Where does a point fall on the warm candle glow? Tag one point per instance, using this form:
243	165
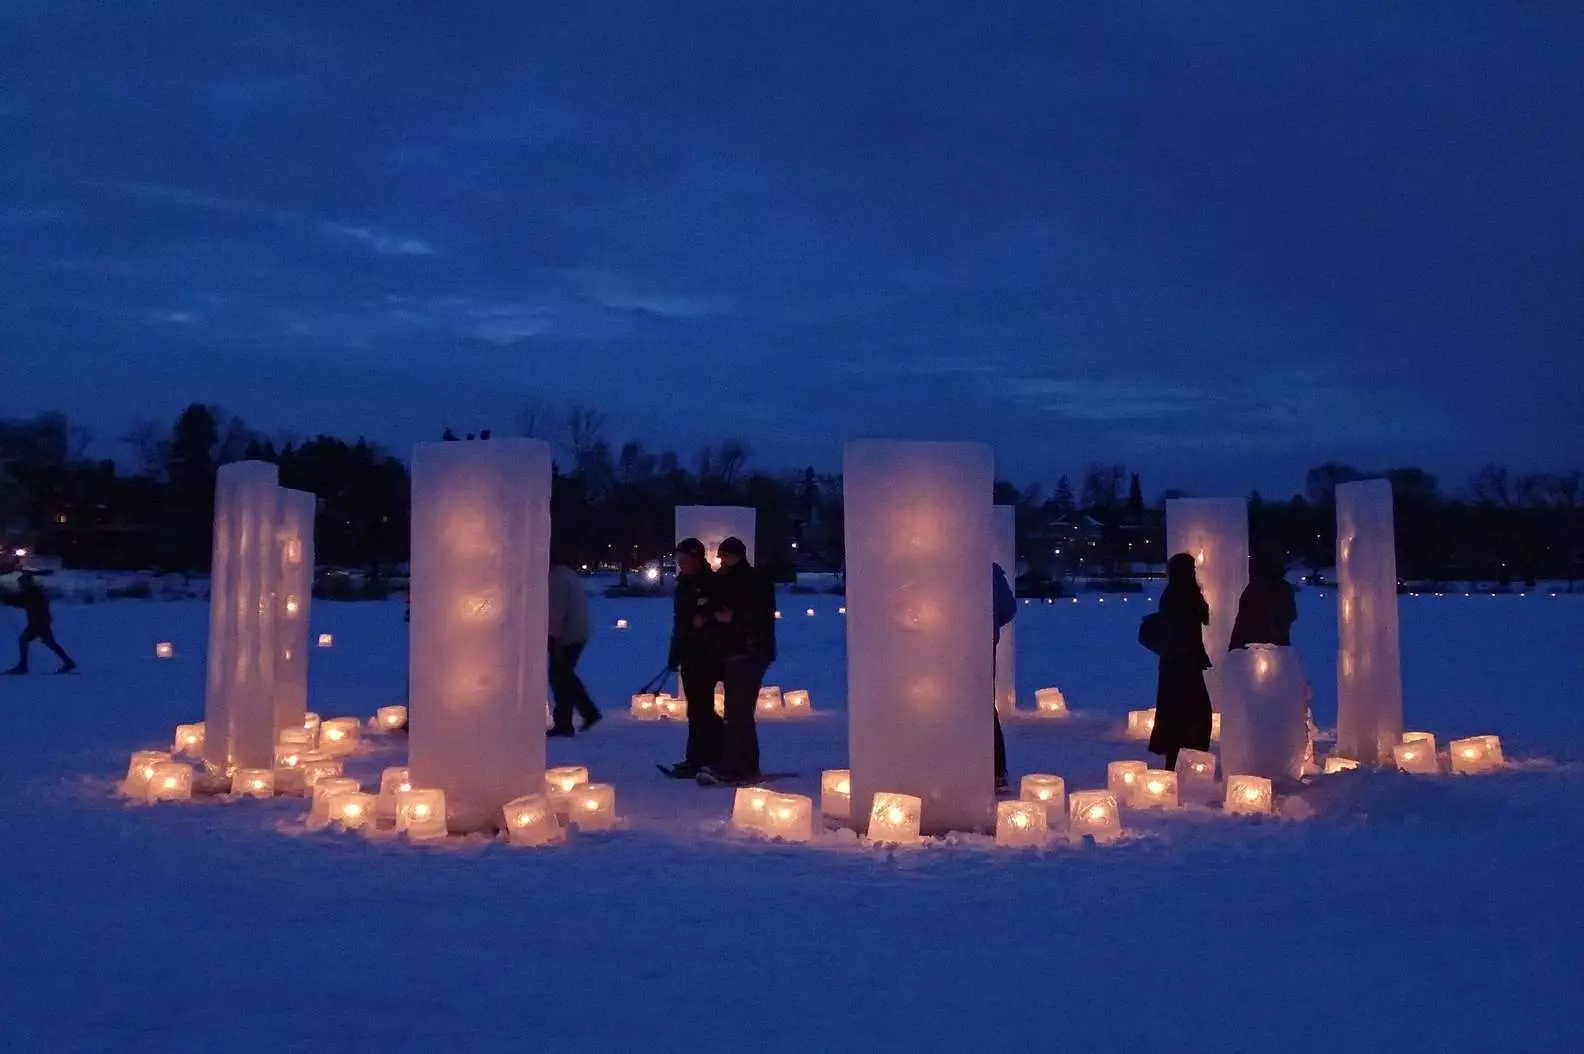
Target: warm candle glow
895	818
326	640
164	650
292	606
621	623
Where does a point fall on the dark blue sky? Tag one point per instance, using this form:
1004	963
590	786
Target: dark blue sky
1218	241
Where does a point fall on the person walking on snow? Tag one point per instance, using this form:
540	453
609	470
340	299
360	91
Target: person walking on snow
570	629
745	641
35	603
1005	609
693	655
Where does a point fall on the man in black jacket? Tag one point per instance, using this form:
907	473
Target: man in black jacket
745	641
40	625
693	631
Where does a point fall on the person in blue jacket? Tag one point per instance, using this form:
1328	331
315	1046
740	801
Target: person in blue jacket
1005	608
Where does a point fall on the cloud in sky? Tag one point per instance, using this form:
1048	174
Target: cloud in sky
1220	242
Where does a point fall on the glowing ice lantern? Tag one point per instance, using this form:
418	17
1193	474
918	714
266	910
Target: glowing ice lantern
750	808
421	813
326	640
141	770
720	702
1140	723
1123	777
325	789
770	703
836	794
621	623
253	783
1476	754
1417	757
339	735
672	707
789	816
559	784
171	781
297	738
1215	728
189	740
1156	789
1050	702
797	703
531	820
312	771
1094	813
1335	763
393	781
164	650
1249	795
1196	775
351	809
895	818
288	767
1426	738
592	806
644	708
1050	791
391	718
1021	824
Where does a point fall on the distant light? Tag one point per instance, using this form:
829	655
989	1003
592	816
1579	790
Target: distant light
652	573
794	545
20	553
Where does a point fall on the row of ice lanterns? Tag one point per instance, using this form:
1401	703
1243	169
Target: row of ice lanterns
166	650
1416	754
773	704
622	623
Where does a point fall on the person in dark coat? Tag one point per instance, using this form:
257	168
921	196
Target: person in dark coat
1004	605
745	640
1182	703
34	602
1267	609
693	655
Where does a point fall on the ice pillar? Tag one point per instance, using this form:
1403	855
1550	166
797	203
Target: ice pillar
480	618
1369	672
294	552
713	524
1004	552
1264	712
239	690
920	628
1215	532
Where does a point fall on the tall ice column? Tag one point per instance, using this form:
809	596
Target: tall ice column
239	690
920	655
1369	668
713	524
480	619
294	549
1004	552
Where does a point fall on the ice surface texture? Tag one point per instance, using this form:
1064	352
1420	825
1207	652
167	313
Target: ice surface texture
1369	667
294	551
1215	532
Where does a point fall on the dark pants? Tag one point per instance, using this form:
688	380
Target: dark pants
567	687
44	633
1000	740
705	727
743	676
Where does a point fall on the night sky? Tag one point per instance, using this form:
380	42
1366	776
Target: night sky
1217	241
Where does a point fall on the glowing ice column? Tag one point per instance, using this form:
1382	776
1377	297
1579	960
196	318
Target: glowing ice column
1264	720
294	549
480	617
1215	532
1369	672
919	628
713	524
1004	552
239	692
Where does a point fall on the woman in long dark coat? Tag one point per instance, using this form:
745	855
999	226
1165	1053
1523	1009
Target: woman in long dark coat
1182	703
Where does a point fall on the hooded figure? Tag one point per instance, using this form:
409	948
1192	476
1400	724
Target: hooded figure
1267	608
1182	702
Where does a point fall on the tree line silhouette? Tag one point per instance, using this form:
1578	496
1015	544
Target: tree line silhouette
614	504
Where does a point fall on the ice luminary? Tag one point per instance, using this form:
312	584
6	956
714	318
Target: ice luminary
340	735
621	623
836	794
1050	702
480	594
559	783
1335	763
164	650
644	708
253	783
1215	728
1021	824
170	781
1122	777
421	813
323	790
713	524
592	806
770	703
1003	551
1049	791
1140	724
294	556
189	740
1196	775
312	770
391	718
796	703
921	658
672	707
1427	738
326	640
1156	789
1369	668
141	770
895	818
351	809
531	820
1417	757
392	782
789	816
1476	754
1094	813
1249	796
299	739
750	808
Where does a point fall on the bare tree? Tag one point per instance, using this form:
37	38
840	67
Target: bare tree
732	458
582	430
149	443
531	419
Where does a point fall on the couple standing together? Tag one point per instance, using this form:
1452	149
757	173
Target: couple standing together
723	633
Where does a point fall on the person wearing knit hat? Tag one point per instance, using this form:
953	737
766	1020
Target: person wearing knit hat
746	642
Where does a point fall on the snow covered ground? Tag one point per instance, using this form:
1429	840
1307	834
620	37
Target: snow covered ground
1406	914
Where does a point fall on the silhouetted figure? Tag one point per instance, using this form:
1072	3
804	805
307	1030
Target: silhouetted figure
34	603
1182	703
746	643
1004	604
570	629
484	435
1267	609
694	654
